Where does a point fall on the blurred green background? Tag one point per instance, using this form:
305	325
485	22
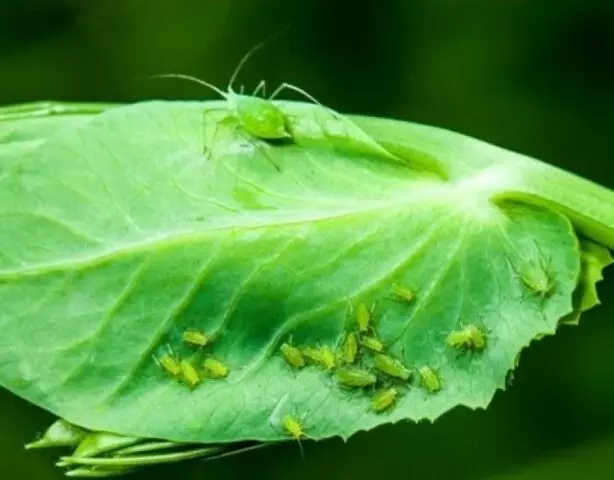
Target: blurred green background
532	76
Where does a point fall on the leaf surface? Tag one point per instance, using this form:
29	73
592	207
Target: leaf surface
118	234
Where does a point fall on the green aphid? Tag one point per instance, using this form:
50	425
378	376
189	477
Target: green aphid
391	366
363	318
292	355
189	373
372	343
215	368
322	355
404	293
470	337
355	377
384	399
169	364
537	279
196	338
429	379
349	348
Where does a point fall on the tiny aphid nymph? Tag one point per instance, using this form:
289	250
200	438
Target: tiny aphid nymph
372	343
355	377
292	355
392	367
349	348
322	355
429	379
196	338
169	364
384	399
363	318
189	373
403	293
470	337
294	428
215	368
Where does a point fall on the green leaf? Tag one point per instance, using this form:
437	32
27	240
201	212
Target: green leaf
118	234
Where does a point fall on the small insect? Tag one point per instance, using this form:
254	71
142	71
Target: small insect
538	280
384	399
215	368
372	343
355	377
196	337
170	364
323	355
258	117
470	337
391	366
292	355
430	379
363	318
295	429
349	348
189	374
404	293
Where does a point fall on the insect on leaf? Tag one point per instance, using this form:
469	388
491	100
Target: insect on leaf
118	235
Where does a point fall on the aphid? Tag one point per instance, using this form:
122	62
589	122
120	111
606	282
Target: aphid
384	399
292	355
170	364
391	366
258	117
189	374
538	280
349	348
196	337
355	377
215	368
430	379
372	343
404	293
470	337
295	429
323	355
363	317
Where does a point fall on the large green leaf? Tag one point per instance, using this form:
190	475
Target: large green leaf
118	234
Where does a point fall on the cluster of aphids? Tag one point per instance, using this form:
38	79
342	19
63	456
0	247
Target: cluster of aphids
193	371
361	360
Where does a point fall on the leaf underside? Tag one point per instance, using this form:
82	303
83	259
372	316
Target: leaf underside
118	234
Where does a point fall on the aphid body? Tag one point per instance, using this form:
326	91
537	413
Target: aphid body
294	428
538	280
196	337
429	378
349	348
322	355
292	355
372	343
189	373
404	293
355	377
215	368
363	318
384	399
170	364
391	366
470	337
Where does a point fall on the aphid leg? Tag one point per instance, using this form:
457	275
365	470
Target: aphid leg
260	86
227	120
258	145
288	86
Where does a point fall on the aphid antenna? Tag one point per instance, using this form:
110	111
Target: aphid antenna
189	78
250	52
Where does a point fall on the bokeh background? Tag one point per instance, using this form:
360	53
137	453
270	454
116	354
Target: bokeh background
529	75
